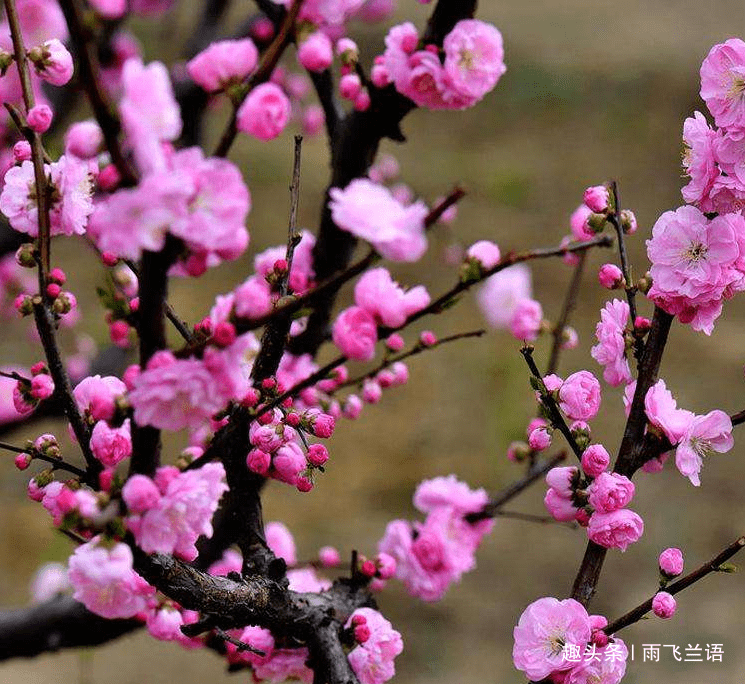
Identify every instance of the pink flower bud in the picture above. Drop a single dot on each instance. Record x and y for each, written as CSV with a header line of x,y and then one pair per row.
x,y
329,557
671,562
582,517
316,52
540,439
258,461
610,276
599,638
428,338
52,62
22,461
642,323
361,634
317,454
313,119
664,605
362,102
368,568
119,333
379,76
595,460
485,252
386,566
53,290
109,178
372,392
394,342
628,221
40,118
303,484
140,494
224,334
352,407
251,398
350,86
84,139
596,198
265,112
42,386
22,151
355,333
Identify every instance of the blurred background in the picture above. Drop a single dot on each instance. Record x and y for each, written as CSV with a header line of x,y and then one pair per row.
x,y
594,91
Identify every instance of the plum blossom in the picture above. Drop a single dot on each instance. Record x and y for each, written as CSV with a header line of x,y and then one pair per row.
x,y
183,513
103,580
662,411
699,160
355,333
607,666
222,63
280,541
372,661
369,211
615,530
705,435
96,396
265,112
610,492
723,85
527,318
501,293
385,299
543,631
610,352
579,396
671,562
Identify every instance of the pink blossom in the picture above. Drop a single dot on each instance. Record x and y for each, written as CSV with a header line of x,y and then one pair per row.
x,y
699,160
723,84
560,507
301,274
597,198
579,396
563,479
52,62
96,396
104,582
381,296
449,491
611,491
610,352
671,562
595,460
110,9
39,118
501,293
663,605
42,386
370,212
606,666
165,624
307,580
610,276
542,632
663,412
355,334
615,530
526,320
231,561
705,435
284,664
540,438
49,581
71,200
252,298
182,514
694,264
111,445
83,139
316,52
280,541
140,494
222,63
149,111
172,394
579,223
41,20
474,61
372,661
288,462
486,253
265,112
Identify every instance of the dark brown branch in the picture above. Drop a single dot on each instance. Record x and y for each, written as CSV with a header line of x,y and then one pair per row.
x,y
713,565
57,624
631,454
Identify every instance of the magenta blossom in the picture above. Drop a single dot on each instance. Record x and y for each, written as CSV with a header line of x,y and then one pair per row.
x,y
615,530
610,352
705,435
372,661
579,396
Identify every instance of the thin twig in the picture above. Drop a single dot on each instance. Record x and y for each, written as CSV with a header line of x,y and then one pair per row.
x,y
570,302
293,237
557,420
713,565
240,645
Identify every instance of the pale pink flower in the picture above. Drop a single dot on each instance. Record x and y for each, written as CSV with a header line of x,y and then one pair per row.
x,y
182,514
372,661
723,85
96,396
611,491
307,580
606,666
40,20
525,322
280,541
595,460
579,396
544,629
560,507
231,561
71,200
610,276
501,293
104,582
705,435
449,491
563,479
671,562
615,530
370,212
52,62
578,222
699,160
172,394
252,298
284,664
49,581
109,9
165,624
140,494
610,352
597,198
265,112
288,462
316,52
223,63
485,252
385,299
474,61
663,412
84,139
355,334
